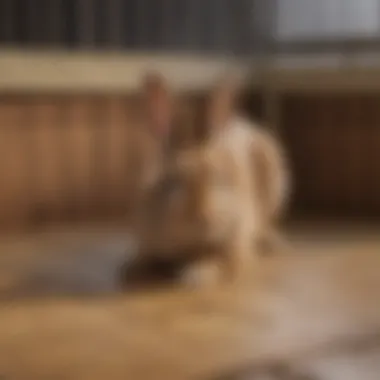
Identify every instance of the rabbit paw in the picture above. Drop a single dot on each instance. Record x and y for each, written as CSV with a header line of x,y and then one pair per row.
x,y
201,274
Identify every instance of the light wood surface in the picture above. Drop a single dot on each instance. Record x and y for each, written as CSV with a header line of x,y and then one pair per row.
x,y
317,294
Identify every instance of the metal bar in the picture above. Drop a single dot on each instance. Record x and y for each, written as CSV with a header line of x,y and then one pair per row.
x,y
36,26
192,30
114,24
55,22
86,22
7,21
166,24
223,27
141,30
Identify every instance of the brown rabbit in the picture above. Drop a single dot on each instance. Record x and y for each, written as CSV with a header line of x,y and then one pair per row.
x,y
209,207
152,139
193,215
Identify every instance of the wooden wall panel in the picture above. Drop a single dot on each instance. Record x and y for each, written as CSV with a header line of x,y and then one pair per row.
x,y
374,143
64,158
49,185
77,147
115,143
14,165
334,141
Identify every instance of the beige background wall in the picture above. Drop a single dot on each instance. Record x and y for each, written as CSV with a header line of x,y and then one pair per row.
x,y
105,72
113,72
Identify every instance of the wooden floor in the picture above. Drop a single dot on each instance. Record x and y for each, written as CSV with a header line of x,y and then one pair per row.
x,y
63,317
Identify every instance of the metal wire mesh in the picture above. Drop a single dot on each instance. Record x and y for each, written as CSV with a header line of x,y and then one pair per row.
x,y
217,26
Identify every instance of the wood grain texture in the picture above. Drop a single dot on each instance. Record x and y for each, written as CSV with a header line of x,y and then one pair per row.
x,y
332,140
305,313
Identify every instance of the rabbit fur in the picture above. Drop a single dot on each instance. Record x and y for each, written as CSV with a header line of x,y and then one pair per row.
x,y
216,198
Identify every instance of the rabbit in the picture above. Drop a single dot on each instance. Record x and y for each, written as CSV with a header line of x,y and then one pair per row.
x,y
259,151
194,213
215,198
151,139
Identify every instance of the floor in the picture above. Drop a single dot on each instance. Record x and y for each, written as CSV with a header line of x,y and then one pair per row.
x,y
63,316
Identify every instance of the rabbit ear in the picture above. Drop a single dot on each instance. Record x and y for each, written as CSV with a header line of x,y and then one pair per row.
x,y
157,101
218,106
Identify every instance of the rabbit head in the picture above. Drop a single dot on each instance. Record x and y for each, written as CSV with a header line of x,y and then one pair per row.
x,y
194,203
192,206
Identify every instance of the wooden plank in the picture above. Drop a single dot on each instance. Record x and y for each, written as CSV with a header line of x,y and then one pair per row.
x,y
78,149
115,166
47,139
13,166
333,142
